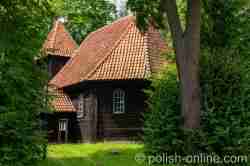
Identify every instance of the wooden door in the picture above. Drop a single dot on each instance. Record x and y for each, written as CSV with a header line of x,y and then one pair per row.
x,y
89,121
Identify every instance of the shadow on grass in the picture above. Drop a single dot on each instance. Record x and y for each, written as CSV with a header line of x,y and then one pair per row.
x,y
110,157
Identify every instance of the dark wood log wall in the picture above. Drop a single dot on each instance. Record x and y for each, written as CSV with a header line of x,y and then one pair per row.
x,y
55,64
112,126
120,126
53,127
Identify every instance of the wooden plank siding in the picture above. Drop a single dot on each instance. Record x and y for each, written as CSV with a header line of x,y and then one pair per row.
x,y
55,64
112,126
53,120
120,125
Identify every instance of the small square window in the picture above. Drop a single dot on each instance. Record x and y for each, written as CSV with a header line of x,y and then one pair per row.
x,y
63,124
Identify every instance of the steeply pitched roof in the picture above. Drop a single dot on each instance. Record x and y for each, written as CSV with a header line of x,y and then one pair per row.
x,y
61,101
115,52
59,42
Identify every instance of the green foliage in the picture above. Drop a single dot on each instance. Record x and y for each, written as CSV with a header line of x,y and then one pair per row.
x,y
148,11
162,120
85,16
225,76
225,82
225,113
163,132
21,83
226,96
224,22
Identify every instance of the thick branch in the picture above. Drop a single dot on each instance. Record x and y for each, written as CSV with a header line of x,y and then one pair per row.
x,y
192,33
170,7
193,17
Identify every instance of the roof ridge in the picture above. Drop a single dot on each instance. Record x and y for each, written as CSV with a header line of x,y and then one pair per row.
x,y
59,41
119,51
147,59
109,52
108,25
69,35
76,52
103,28
93,33
55,34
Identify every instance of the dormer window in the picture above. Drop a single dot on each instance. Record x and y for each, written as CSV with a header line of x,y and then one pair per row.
x,y
118,101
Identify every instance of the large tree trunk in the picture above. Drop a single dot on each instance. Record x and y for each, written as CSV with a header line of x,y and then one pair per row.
x,y
191,99
187,49
190,86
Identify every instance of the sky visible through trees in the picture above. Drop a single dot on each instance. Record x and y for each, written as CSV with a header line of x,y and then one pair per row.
x,y
120,7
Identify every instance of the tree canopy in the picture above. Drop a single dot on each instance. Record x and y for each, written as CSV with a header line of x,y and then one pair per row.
x,y
23,28
186,45
84,16
224,74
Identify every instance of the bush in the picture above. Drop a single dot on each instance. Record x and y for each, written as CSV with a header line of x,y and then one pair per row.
x,y
226,88
21,141
22,84
161,131
225,125
225,83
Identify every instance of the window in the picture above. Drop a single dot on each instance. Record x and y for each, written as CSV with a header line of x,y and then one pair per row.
x,y
118,101
63,124
81,107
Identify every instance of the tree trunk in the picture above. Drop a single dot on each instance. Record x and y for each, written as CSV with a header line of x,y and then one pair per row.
x,y
189,84
187,49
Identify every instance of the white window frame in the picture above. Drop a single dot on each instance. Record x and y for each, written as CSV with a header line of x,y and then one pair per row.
x,y
63,125
118,101
81,105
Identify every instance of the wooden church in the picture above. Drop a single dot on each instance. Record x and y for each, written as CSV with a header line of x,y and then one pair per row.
x,y
97,87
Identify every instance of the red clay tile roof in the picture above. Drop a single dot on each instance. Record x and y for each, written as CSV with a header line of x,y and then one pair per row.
x,y
61,101
115,52
59,42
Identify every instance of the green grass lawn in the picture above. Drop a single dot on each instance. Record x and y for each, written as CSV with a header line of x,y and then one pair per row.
x,y
93,154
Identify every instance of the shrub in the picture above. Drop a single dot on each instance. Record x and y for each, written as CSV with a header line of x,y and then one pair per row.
x,y
22,99
21,141
225,126
21,83
225,83
226,88
161,131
